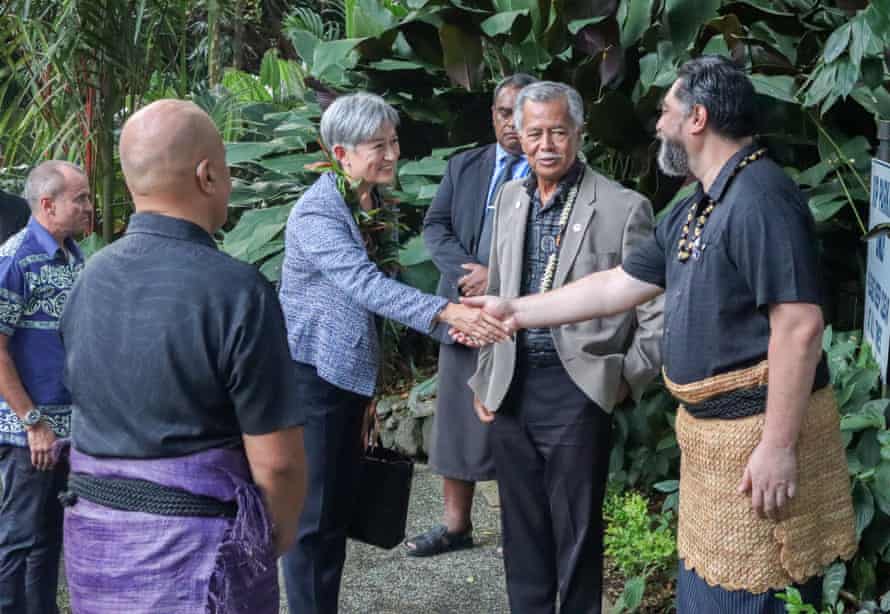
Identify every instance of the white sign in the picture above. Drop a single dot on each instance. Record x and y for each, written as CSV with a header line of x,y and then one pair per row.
x,y
877,283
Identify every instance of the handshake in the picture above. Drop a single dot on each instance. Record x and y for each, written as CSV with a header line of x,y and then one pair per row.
x,y
480,320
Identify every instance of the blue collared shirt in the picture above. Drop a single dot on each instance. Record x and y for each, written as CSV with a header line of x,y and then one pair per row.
x,y
36,277
520,170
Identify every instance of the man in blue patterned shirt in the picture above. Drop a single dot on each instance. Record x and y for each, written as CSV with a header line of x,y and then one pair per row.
x,y
38,266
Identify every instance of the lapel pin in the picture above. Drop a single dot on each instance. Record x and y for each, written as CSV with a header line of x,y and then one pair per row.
x,y
576,228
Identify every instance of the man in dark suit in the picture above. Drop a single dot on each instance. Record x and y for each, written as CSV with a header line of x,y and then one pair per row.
x,y
14,211
14,214
457,232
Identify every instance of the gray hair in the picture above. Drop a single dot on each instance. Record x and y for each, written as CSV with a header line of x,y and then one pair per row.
x,y
46,180
545,91
518,80
355,119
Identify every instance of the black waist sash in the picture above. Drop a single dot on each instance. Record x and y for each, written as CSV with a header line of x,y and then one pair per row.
x,y
133,495
746,402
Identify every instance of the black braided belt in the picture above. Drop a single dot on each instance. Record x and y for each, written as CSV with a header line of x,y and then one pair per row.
x,y
745,402
730,405
131,495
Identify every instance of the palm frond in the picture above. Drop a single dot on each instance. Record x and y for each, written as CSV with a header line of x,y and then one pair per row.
x,y
324,24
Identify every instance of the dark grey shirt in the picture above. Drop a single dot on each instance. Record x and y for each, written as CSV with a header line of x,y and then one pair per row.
x,y
542,229
14,214
173,347
757,249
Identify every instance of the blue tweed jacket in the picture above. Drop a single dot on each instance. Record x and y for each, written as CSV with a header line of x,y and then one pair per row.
x,y
330,291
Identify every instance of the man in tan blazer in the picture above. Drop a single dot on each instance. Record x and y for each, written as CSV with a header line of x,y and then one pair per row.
x,y
549,392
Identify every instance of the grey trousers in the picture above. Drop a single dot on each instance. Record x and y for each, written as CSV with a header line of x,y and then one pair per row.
x,y
30,533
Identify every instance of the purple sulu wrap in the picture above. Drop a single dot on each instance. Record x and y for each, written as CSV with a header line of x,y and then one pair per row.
x,y
137,563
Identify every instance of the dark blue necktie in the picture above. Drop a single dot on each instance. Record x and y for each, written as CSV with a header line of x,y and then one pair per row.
x,y
484,247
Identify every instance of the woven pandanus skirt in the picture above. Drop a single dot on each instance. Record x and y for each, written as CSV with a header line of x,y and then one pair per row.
x,y
719,535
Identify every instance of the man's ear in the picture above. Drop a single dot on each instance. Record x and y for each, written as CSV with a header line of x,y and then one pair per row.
x,y
46,205
698,119
204,177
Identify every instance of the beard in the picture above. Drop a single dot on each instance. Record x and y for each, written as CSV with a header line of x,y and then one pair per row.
x,y
672,158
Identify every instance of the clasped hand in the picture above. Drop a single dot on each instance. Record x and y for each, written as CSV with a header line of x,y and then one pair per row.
x,y
493,307
472,322
474,282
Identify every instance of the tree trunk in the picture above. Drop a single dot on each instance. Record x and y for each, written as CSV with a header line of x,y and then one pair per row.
x,y
106,159
214,75
238,36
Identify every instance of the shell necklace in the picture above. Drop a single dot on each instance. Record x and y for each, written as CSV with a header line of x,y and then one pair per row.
x,y
686,247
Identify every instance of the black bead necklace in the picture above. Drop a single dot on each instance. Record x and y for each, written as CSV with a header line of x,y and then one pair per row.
x,y
685,246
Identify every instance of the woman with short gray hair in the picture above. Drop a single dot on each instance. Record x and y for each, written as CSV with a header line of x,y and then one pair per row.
x,y
330,294
355,119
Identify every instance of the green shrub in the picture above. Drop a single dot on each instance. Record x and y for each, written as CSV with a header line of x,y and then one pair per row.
x,y
637,542
794,605
855,377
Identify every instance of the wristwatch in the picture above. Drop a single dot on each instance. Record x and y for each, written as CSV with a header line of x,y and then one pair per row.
x,y
31,418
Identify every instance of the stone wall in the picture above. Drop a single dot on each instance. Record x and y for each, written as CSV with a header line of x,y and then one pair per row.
x,y
406,420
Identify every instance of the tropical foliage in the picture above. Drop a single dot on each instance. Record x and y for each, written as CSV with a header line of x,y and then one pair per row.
x,y
72,71
71,68
436,61
864,425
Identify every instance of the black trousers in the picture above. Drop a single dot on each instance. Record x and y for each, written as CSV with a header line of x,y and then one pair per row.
x,y
551,448
30,533
314,566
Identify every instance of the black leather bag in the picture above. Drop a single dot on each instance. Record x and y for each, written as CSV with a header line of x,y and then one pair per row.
x,y
381,506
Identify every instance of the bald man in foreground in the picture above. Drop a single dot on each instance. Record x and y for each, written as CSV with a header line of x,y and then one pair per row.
x,y
187,463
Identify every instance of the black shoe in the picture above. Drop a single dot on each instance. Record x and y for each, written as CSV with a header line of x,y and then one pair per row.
x,y
437,541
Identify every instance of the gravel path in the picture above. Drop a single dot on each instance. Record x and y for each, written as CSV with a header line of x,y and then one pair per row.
x,y
377,581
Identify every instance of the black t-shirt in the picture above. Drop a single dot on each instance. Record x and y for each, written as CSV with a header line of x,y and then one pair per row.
x,y
757,249
173,347
14,214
